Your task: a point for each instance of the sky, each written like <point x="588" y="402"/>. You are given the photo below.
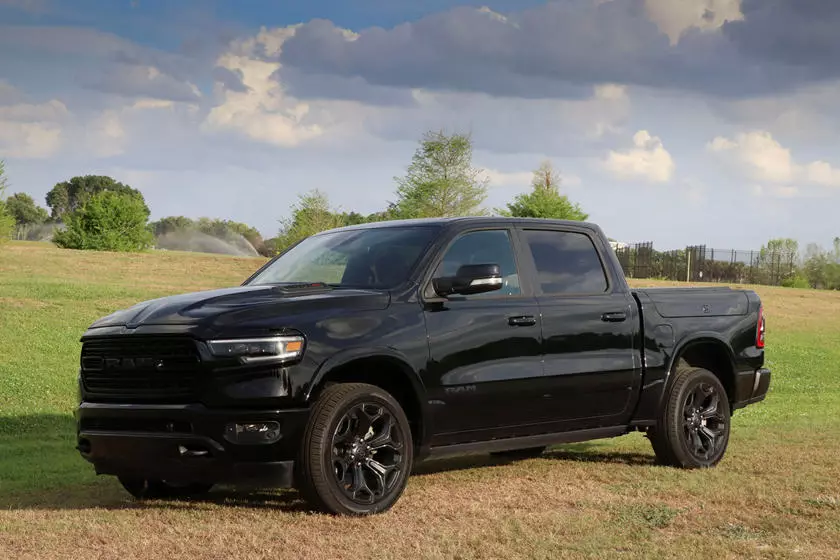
<point x="680" y="122"/>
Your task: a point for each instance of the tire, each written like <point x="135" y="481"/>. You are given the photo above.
<point x="527" y="453"/>
<point x="152" y="489"/>
<point x="357" y="451"/>
<point x="693" y="427"/>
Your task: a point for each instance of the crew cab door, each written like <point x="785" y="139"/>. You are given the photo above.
<point x="589" y="327"/>
<point x="483" y="347"/>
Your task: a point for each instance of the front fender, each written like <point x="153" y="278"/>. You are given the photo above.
<point x="400" y="362"/>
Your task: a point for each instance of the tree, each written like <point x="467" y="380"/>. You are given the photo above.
<point x="25" y="212"/>
<point x="67" y="196"/>
<point x="441" y="181"/>
<point x="171" y="224"/>
<point x="815" y="267"/>
<point x="107" y="221"/>
<point x="777" y="260"/>
<point x="312" y="214"/>
<point x="7" y="221"/>
<point x="544" y="200"/>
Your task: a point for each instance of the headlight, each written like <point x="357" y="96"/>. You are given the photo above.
<point x="276" y="348"/>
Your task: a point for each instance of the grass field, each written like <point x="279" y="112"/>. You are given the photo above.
<point x="775" y="495"/>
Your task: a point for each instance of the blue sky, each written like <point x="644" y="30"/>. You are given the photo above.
<point x="683" y="122"/>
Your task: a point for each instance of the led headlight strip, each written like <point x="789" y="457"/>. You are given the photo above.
<point x="274" y="348"/>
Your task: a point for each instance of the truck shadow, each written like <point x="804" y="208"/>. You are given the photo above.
<point x="40" y="469"/>
<point x="581" y="452"/>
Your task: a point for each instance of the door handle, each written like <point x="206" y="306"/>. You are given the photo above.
<point x="524" y="321"/>
<point x="614" y="317"/>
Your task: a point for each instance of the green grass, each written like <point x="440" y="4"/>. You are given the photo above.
<point x="776" y="494"/>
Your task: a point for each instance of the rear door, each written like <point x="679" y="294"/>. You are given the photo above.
<point x="484" y="348"/>
<point x="589" y="326"/>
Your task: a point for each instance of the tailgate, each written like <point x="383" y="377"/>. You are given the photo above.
<point x="697" y="302"/>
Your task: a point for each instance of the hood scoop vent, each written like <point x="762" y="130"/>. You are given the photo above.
<point x="301" y="288"/>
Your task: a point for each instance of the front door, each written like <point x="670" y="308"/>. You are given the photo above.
<point x="483" y="347"/>
<point x="589" y="331"/>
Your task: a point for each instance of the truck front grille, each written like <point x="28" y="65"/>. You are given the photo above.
<point x="127" y="368"/>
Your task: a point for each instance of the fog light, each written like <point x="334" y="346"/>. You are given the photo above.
<point x="253" y="433"/>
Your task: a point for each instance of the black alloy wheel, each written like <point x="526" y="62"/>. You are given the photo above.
<point x="367" y="453"/>
<point x="694" y="424"/>
<point x="357" y="451"/>
<point x="703" y="423"/>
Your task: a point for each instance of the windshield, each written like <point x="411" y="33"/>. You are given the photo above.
<point x="364" y="258"/>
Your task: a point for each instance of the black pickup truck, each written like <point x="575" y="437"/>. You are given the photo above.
<point x="361" y="351"/>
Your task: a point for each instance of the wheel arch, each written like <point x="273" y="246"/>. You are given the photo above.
<point x="386" y="369"/>
<point x="707" y="351"/>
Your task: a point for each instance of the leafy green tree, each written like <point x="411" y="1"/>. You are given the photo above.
<point x="310" y="215"/>
<point x="107" y="221"/>
<point x="171" y="224"/>
<point x="7" y="221"/>
<point x="67" y="196"/>
<point x="25" y="212"/>
<point x="544" y="200"/>
<point x="777" y="260"/>
<point x="441" y="181"/>
<point x="815" y="267"/>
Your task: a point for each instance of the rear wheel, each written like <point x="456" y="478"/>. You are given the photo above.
<point x="357" y="451"/>
<point x="694" y="423"/>
<point x="151" y="489"/>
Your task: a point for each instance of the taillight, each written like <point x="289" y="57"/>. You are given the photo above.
<point x="759" y="335"/>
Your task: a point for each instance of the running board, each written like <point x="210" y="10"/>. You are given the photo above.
<point x="525" y="442"/>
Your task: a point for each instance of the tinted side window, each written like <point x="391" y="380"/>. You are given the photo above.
<point x="483" y="247"/>
<point x="567" y="262"/>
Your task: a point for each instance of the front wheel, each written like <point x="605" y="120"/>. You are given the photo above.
<point x="357" y="451"/>
<point x="693" y="427"/>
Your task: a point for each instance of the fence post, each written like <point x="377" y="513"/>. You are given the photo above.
<point x="688" y="265"/>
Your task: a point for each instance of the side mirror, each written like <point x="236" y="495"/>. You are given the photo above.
<point x="470" y="279"/>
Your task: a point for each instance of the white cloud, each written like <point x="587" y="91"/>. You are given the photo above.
<point x="760" y="157"/>
<point x="29" y="130"/>
<point x="522" y="179"/>
<point x="675" y="17"/>
<point x="508" y="178"/>
<point x="106" y="135"/>
<point x="649" y="160"/>
<point x="547" y="127"/>
<point x="822" y="173"/>
<point x="150" y="103"/>
<point x="263" y="112"/>
<point x="808" y="114"/>
<point x="53" y="110"/>
<point x="29" y="140"/>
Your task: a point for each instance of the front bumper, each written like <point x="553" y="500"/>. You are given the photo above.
<point x="186" y="443"/>
<point x="752" y="387"/>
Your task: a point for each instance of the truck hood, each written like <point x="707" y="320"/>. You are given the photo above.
<point x="230" y="306"/>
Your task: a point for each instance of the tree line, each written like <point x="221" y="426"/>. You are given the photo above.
<point x="100" y="213"/>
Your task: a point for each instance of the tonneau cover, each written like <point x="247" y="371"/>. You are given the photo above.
<point x="697" y="302"/>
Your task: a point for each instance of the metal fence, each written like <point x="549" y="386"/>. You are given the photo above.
<point x="702" y="264"/>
